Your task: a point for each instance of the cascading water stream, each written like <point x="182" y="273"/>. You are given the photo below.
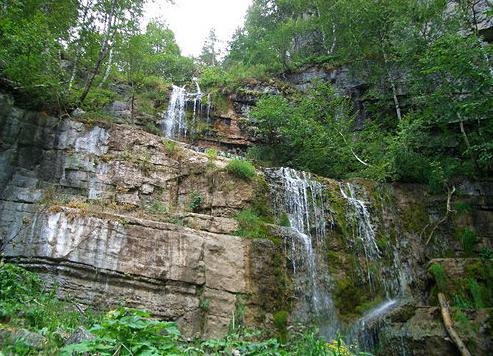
<point x="365" y="232"/>
<point x="302" y="199"/>
<point x="174" y="123"/>
<point x="393" y="277"/>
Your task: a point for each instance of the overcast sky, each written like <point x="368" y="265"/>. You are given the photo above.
<point x="191" y="20"/>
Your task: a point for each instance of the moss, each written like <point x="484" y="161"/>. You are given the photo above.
<point x="414" y="218"/>
<point x="284" y="220"/>
<point x="261" y="203"/>
<point x="350" y="299"/>
<point x="252" y="225"/>
<point x="369" y="305"/>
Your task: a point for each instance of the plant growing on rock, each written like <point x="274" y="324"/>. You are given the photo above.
<point x="241" y="169"/>
<point x="438" y="273"/>
<point x="195" y="201"/>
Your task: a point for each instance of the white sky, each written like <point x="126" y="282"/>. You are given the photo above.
<point x="191" y="20"/>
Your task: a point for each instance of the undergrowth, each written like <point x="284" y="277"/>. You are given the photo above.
<point x="27" y="305"/>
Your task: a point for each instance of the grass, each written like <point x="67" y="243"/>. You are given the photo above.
<point x="241" y="169"/>
<point x="251" y="225"/>
<point x="438" y="273"/>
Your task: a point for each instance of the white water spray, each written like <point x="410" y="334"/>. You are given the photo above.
<point x="302" y="199"/>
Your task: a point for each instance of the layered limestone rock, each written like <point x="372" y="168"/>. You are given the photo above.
<point x="104" y="212"/>
<point x="114" y="215"/>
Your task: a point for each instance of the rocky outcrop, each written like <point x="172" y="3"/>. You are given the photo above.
<point x="114" y="215"/>
<point x="105" y="212"/>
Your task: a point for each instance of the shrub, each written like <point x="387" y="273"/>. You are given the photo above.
<point x="129" y="332"/>
<point x="281" y="324"/>
<point x="242" y="169"/>
<point x="468" y="239"/>
<point x="196" y="201"/>
<point x="438" y="273"/>
<point x="211" y="154"/>
<point x="170" y="147"/>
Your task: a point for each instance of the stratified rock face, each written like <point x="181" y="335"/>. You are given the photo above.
<point x="164" y="268"/>
<point x="84" y="206"/>
<point x="114" y="215"/>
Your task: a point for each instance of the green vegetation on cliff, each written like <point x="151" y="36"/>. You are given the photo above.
<point x="34" y="322"/>
<point x="423" y="72"/>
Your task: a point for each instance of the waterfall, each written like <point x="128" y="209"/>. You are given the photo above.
<point x="394" y="276"/>
<point x="173" y="123"/>
<point x="365" y="331"/>
<point x="301" y="198"/>
<point x="365" y="232"/>
<point x="388" y="271"/>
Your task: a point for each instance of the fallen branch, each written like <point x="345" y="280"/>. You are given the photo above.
<point x="447" y="321"/>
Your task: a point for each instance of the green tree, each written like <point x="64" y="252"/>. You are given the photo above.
<point x="210" y="50"/>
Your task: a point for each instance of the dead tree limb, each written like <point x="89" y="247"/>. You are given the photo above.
<point x="445" y="217"/>
<point x="447" y="321"/>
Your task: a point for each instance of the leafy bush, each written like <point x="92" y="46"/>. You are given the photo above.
<point x="468" y="239"/>
<point x="242" y="169"/>
<point x="26" y="304"/>
<point x="211" y="154"/>
<point x="438" y="273"/>
<point x="195" y="201"/>
<point x="129" y="332"/>
<point x="281" y="324"/>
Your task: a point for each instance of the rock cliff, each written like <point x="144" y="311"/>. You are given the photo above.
<point x="115" y="215"/>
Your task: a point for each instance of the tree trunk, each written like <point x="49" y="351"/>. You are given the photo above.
<point x="78" y="45"/>
<point x="393" y="87"/>
<point x="108" y="69"/>
<point x="447" y="321"/>
<point x="102" y="53"/>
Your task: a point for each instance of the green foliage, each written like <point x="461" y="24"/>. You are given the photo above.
<point x="284" y="220"/>
<point x="301" y="132"/>
<point x="157" y="207"/>
<point x="486" y="253"/>
<point x="281" y="324"/>
<point x="195" y="201"/>
<point x="461" y="320"/>
<point x="460" y="301"/>
<point x="170" y="147"/>
<point x="211" y="154"/>
<point x="125" y="331"/>
<point x="438" y="273"/>
<point x="129" y="332"/>
<point x="476" y="293"/>
<point x="468" y="239"/>
<point x="241" y="169"/>
<point x="251" y="225"/>
<point x="25" y="303"/>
